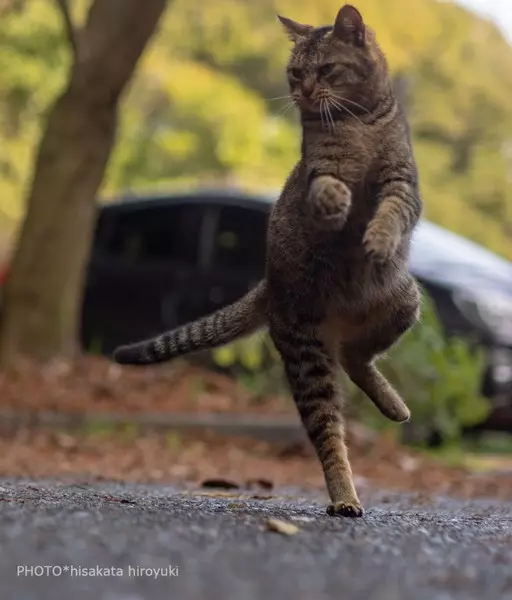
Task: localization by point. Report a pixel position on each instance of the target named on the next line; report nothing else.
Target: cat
(337, 291)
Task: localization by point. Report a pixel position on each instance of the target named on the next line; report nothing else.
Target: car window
(240, 239)
(156, 234)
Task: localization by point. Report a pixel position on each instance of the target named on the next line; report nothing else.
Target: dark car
(158, 262)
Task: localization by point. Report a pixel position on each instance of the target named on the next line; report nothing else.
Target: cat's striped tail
(233, 321)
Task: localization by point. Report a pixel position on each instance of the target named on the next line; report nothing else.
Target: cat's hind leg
(358, 359)
(311, 373)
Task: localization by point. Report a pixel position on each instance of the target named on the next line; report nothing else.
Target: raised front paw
(329, 200)
(345, 509)
(379, 243)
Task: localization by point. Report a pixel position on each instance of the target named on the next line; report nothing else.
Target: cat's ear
(294, 30)
(349, 25)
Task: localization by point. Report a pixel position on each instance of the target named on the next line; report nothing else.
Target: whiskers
(278, 98)
(326, 113)
(284, 109)
(331, 101)
(327, 104)
(339, 103)
(342, 99)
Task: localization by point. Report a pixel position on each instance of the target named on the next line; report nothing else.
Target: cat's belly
(348, 281)
(307, 267)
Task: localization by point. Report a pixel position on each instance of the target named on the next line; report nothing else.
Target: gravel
(132, 542)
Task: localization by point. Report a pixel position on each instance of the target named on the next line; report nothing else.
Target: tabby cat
(337, 290)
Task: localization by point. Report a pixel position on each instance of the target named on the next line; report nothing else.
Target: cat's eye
(326, 69)
(296, 73)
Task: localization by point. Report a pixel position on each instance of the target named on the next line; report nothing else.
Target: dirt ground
(96, 385)
(190, 459)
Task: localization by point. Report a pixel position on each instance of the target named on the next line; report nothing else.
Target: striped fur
(338, 292)
(241, 318)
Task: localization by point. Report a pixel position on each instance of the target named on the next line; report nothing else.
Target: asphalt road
(94, 542)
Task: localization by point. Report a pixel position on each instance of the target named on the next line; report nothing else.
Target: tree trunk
(41, 303)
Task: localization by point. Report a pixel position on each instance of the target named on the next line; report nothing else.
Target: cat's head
(339, 66)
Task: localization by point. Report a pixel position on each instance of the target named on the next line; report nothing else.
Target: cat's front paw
(379, 243)
(329, 200)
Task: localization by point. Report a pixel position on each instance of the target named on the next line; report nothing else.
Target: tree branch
(63, 7)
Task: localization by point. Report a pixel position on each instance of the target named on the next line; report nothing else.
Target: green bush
(255, 362)
(439, 377)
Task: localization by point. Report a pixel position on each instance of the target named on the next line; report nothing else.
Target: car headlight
(490, 310)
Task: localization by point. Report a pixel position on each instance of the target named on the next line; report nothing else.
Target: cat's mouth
(310, 104)
(318, 105)
(329, 106)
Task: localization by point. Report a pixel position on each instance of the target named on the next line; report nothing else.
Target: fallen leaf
(408, 463)
(222, 484)
(265, 484)
(282, 527)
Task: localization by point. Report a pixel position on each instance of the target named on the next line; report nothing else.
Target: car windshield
(432, 243)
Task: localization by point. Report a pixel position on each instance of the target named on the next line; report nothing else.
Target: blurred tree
(33, 63)
(202, 105)
(208, 103)
(42, 299)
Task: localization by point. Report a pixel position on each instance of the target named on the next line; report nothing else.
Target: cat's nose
(307, 87)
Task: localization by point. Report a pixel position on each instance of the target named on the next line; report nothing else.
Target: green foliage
(255, 362)
(32, 69)
(200, 105)
(440, 378)
(490, 443)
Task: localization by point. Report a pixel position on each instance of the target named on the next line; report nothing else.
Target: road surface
(125, 542)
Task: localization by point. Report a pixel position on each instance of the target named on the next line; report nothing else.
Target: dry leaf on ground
(282, 527)
(220, 484)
